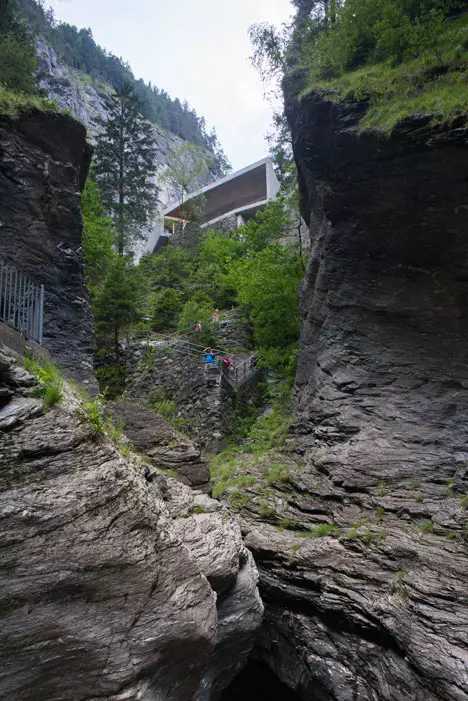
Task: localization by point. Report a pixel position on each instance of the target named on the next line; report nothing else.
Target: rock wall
(44, 164)
(375, 609)
(111, 587)
(182, 379)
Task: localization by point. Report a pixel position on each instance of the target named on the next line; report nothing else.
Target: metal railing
(236, 375)
(21, 302)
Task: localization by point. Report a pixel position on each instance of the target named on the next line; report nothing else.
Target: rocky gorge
(343, 576)
(130, 584)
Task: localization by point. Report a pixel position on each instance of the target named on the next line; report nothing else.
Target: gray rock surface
(105, 581)
(45, 160)
(182, 378)
(161, 443)
(377, 609)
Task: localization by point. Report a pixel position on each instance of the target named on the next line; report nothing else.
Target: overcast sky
(197, 50)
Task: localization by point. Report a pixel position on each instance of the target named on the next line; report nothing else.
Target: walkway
(243, 368)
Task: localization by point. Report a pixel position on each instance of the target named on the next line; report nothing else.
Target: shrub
(427, 527)
(50, 381)
(92, 413)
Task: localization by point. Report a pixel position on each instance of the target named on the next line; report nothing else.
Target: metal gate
(21, 302)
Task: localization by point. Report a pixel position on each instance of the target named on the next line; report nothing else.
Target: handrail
(235, 375)
(21, 302)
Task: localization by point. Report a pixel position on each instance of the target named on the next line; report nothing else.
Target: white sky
(197, 50)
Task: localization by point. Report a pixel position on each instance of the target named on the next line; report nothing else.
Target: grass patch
(321, 530)
(198, 509)
(50, 382)
(13, 104)
(384, 488)
(278, 474)
(426, 527)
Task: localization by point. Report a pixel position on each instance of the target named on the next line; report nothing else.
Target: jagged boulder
(109, 583)
(152, 435)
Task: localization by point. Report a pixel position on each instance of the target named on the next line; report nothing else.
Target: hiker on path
(215, 316)
(209, 357)
(226, 362)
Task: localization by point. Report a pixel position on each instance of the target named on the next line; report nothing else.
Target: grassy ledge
(13, 104)
(427, 85)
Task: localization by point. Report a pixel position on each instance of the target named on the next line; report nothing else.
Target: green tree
(98, 237)
(118, 302)
(187, 170)
(166, 306)
(17, 59)
(125, 157)
(267, 284)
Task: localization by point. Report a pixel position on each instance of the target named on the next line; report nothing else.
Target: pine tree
(125, 157)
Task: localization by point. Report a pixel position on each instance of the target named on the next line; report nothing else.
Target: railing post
(41, 316)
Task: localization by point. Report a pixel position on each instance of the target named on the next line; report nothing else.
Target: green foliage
(17, 57)
(117, 302)
(267, 283)
(14, 103)
(278, 474)
(166, 307)
(93, 414)
(384, 488)
(399, 57)
(111, 379)
(50, 381)
(427, 527)
(166, 408)
(370, 31)
(97, 237)
(199, 308)
(199, 509)
(17, 64)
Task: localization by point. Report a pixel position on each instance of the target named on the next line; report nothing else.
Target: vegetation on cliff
(397, 57)
(18, 89)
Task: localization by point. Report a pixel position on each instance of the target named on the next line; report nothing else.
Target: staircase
(241, 370)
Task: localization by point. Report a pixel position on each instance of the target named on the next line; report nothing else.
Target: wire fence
(21, 303)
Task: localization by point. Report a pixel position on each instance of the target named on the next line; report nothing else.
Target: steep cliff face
(111, 587)
(44, 160)
(375, 609)
(88, 101)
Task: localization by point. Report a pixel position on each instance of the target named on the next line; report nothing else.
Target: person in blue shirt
(209, 356)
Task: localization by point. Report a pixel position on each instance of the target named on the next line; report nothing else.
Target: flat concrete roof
(249, 188)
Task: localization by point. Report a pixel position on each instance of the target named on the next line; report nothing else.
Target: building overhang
(243, 192)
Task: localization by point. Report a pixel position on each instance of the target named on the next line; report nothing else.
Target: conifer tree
(125, 157)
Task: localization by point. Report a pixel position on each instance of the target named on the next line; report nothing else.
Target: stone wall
(182, 378)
